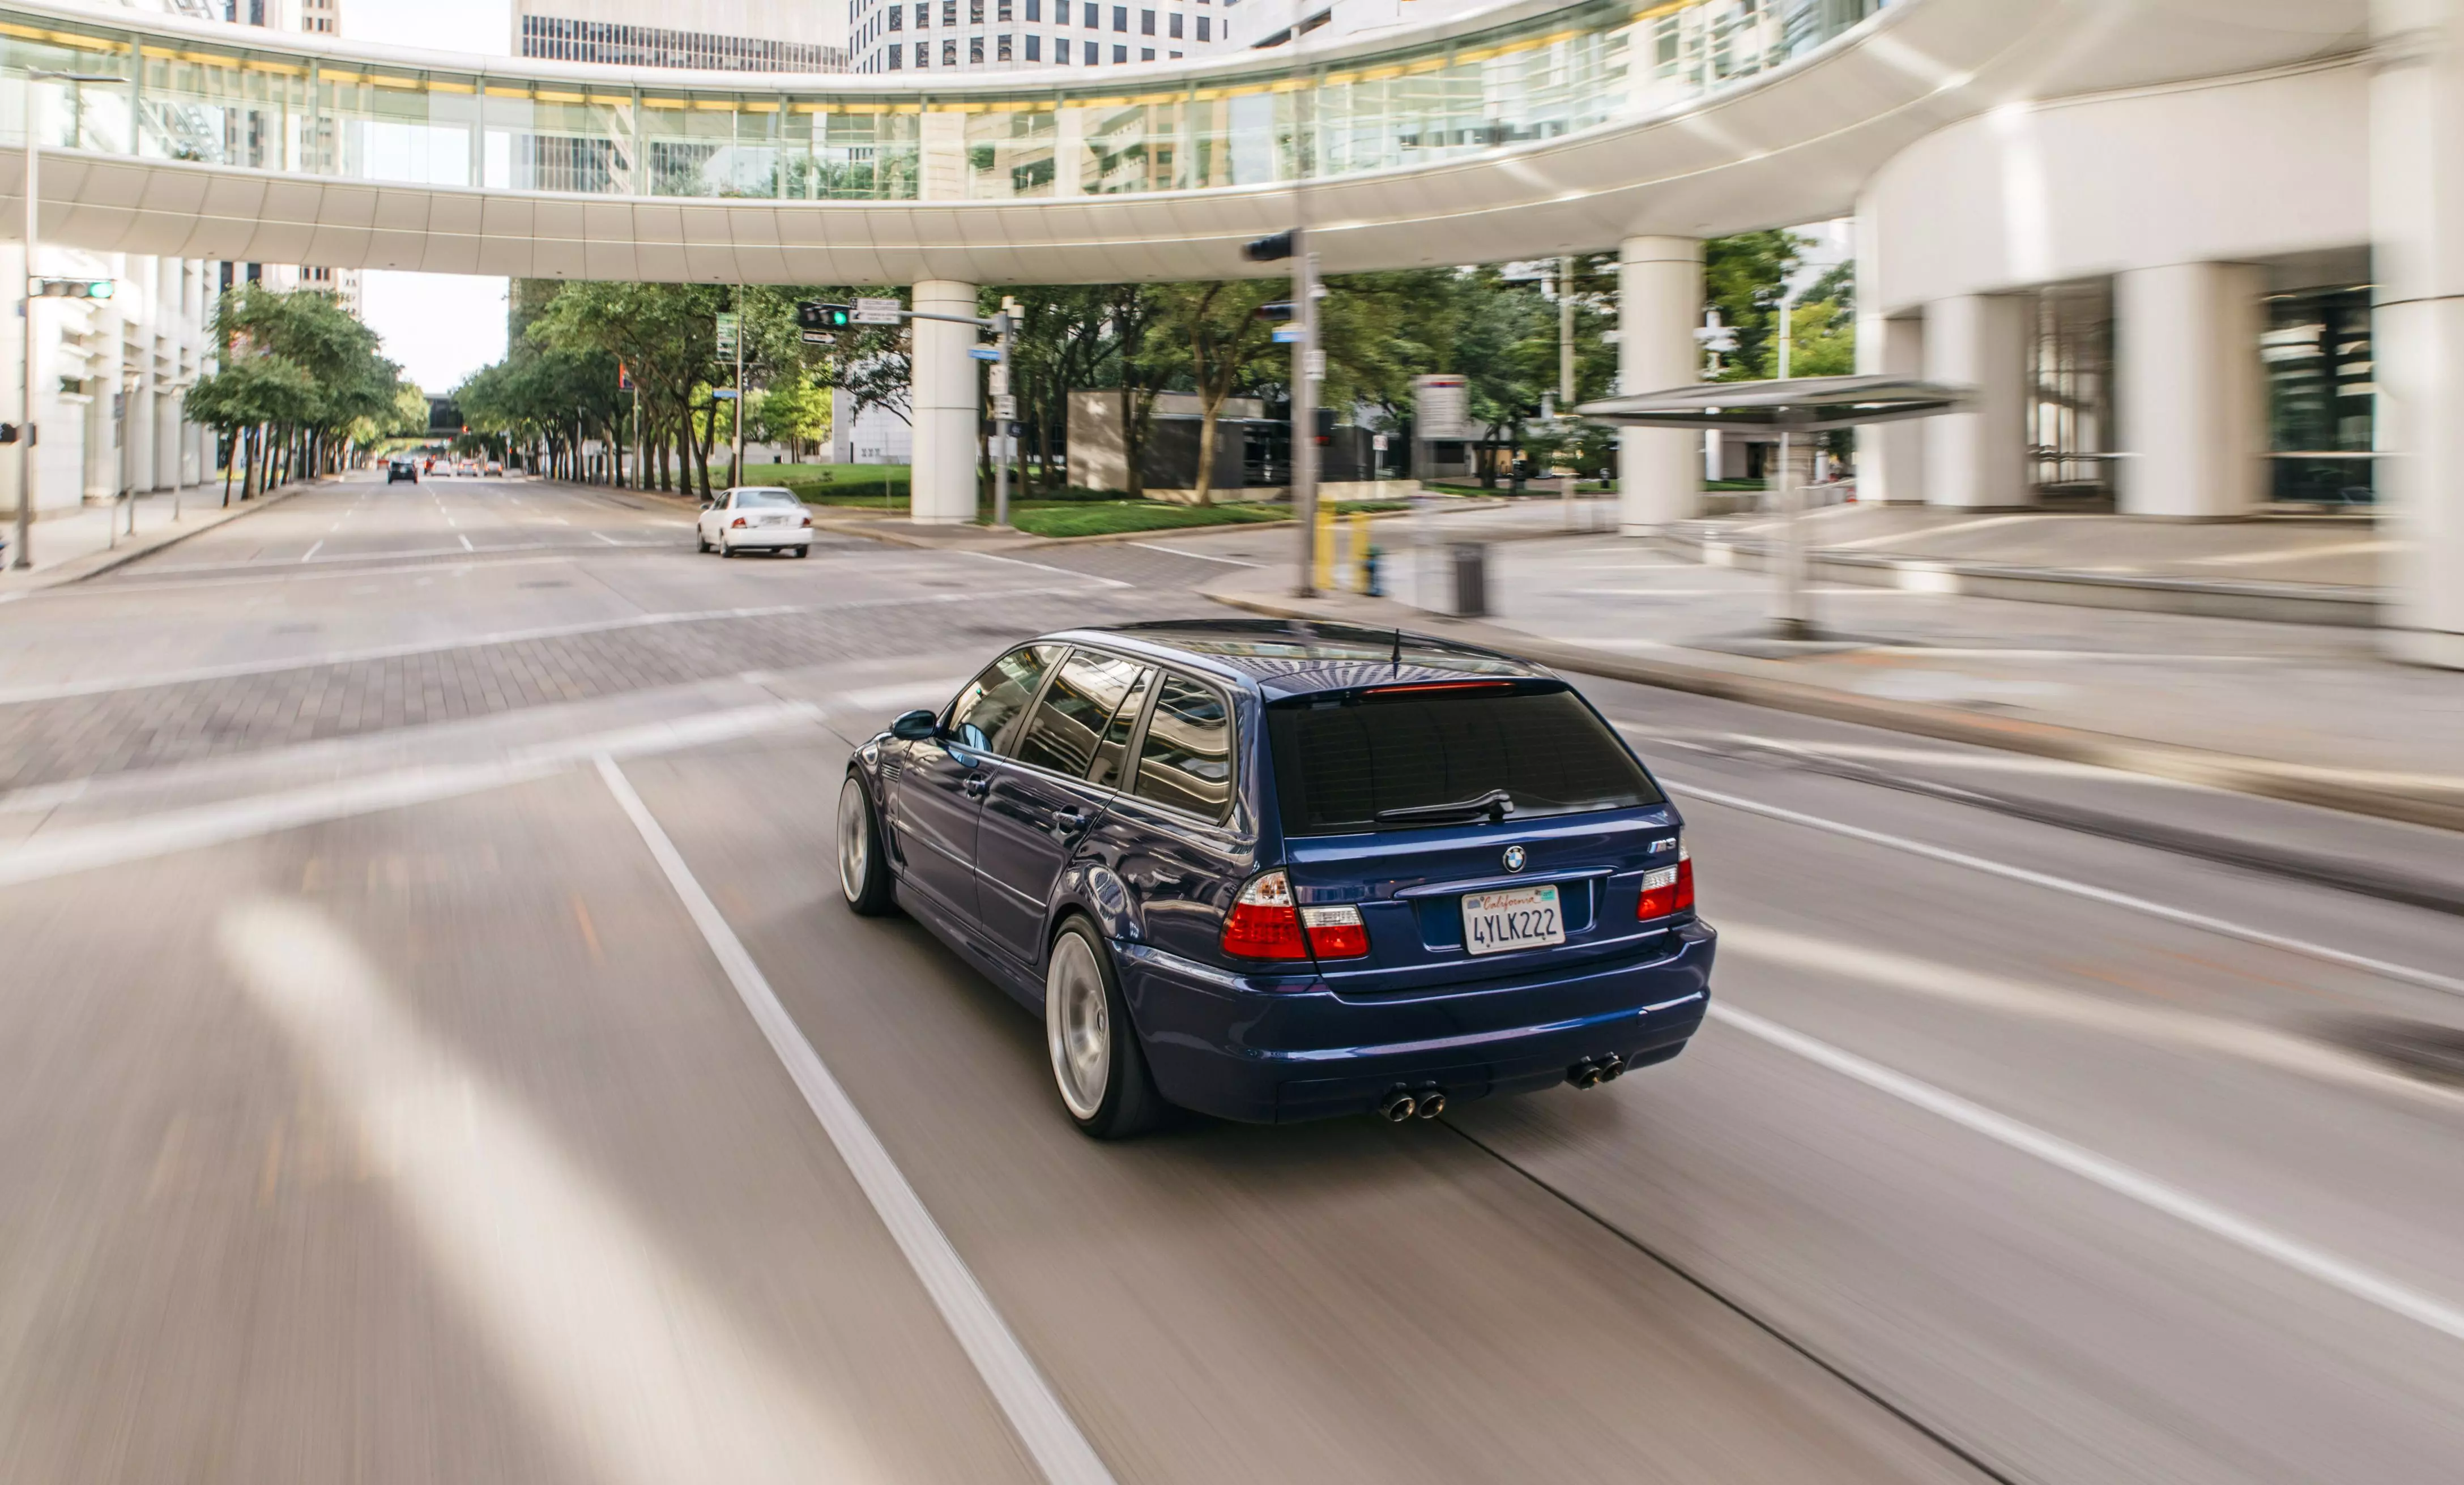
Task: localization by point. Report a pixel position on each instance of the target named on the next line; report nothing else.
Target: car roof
(1281, 658)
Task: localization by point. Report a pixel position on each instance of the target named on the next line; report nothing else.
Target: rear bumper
(1268, 1052)
(767, 536)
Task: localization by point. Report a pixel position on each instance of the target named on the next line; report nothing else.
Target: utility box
(1468, 565)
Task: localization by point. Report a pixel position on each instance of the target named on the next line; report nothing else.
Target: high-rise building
(976, 35)
(722, 35)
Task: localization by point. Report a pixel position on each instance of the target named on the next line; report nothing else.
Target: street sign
(726, 335)
(723, 394)
(820, 338)
(1441, 408)
(1314, 366)
(984, 352)
(1005, 408)
(998, 380)
(878, 312)
(1287, 335)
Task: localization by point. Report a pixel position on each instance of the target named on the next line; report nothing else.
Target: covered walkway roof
(1525, 130)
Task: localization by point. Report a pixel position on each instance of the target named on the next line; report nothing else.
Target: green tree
(1217, 326)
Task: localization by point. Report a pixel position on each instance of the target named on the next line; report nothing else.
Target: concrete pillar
(1660, 301)
(1890, 456)
(2418, 328)
(948, 418)
(2193, 400)
(1979, 458)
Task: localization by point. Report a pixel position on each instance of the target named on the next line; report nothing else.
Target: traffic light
(1268, 249)
(814, 315)
(1280, 309)
(76, 288)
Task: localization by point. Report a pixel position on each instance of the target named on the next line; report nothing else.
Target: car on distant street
(399, 469)
(756, 519)
(493, 467)
(1274, 871)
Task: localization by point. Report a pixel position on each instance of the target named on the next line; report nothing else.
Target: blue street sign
(724, 393)
(984, 352)
(1287, 335)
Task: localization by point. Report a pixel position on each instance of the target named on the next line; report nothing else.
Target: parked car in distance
(755, 518)
(399, 469)
(493, 467)
(1275, 871)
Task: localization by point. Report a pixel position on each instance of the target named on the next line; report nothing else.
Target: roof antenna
(1398, 651)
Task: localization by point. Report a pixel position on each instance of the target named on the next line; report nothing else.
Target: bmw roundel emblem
(1514, 858)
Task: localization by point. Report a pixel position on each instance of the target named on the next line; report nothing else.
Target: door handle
(976, 785)
(1069, 821)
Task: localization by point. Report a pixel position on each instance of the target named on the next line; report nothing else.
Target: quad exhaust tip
(1433, 1104)
(1399, 1105)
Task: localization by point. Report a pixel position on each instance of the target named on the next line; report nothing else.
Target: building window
(949, 51)
(1035, 9)
(1120, 54)
(1001, 10)
(923, 13)
(893, 56)
(1121, 17)
(1146, 23)
(1034, 48)
(975, 51)
(1060, 11)
(2322, 400)
(949, 13)
(1176, 25)
(897, 18)
(1146, 53)
(975, 13)
(1060, 49)
(1001, 48)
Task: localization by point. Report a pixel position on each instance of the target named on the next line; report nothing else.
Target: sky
(442, 327)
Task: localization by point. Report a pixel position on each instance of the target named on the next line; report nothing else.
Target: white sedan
(756, 517)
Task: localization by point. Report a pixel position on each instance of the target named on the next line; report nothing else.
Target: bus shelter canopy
(1804, 405)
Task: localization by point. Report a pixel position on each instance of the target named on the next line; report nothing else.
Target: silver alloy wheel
(856, 843)
(1078, 1025)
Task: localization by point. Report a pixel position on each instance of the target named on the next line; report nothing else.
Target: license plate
(1525, 917)
(774, 520)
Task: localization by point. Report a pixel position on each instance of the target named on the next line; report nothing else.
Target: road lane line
(611, 540)
(314, 550)
(1015, 561)
(60, 689)
(59, 853)
(2123, 1180)
(1051, 1436)
(1203, 557)
(467, 546)
(2428, 979)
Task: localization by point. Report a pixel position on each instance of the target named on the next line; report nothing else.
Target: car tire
(1098, 1067)
(724, 550)
(864, 868)
(701, 541)
(803, 552)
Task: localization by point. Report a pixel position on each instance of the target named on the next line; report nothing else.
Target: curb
(2324, 604)
(1031, 543)
(2291, 782)
(147, 546)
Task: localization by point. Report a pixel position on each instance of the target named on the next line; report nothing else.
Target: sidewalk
(2305, 712)
(80, 543)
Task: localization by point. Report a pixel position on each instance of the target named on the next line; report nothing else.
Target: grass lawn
(1102, 518)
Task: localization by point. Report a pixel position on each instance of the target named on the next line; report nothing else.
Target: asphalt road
(432, 1049)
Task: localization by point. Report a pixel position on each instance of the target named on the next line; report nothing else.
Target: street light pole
(1003, 323)
(25, 558)
(1795, 600)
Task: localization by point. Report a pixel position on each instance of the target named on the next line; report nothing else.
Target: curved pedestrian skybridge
(243, 98)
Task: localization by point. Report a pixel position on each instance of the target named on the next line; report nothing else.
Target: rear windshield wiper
(1496, 804)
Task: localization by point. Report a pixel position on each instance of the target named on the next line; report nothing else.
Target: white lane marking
(314, 550)
(1015, 561)
(1811, 954)
(1043, 1424)
(640, 1374)
(60, 689)
(2216, 1221)
(611, 540)
(467, 546)
(2426, 978)
(59, 853)
(1203, 557)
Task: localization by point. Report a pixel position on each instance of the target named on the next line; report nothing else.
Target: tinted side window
(994, 699)
(1070, 722)
(1113, 754)
(1186, 760)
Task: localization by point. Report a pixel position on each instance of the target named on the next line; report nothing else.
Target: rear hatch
(1486, 832)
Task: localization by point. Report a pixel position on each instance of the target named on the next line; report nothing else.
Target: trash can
(1469, 561)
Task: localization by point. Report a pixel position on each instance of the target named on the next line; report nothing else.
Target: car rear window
(1338, 767)
(745, 499)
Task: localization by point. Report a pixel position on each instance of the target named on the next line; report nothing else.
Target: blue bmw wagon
(1272, 871)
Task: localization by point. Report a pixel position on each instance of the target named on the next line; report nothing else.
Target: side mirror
(918, 726)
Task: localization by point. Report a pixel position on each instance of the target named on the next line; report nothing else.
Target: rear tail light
(1335, 933)
(805, 520)
(1263, 923)
(1266, 924)
(734, 524)
(1668, 889)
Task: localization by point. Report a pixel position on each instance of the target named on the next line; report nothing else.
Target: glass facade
(2320, 398)
(2069, 403)
(1249, 119)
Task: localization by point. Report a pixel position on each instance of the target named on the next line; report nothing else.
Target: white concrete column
(1979, 458)
(1660, 301)
(948, 418)
(2193, 400)
(2417, 330)
(1890, 456)
(107, 406)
